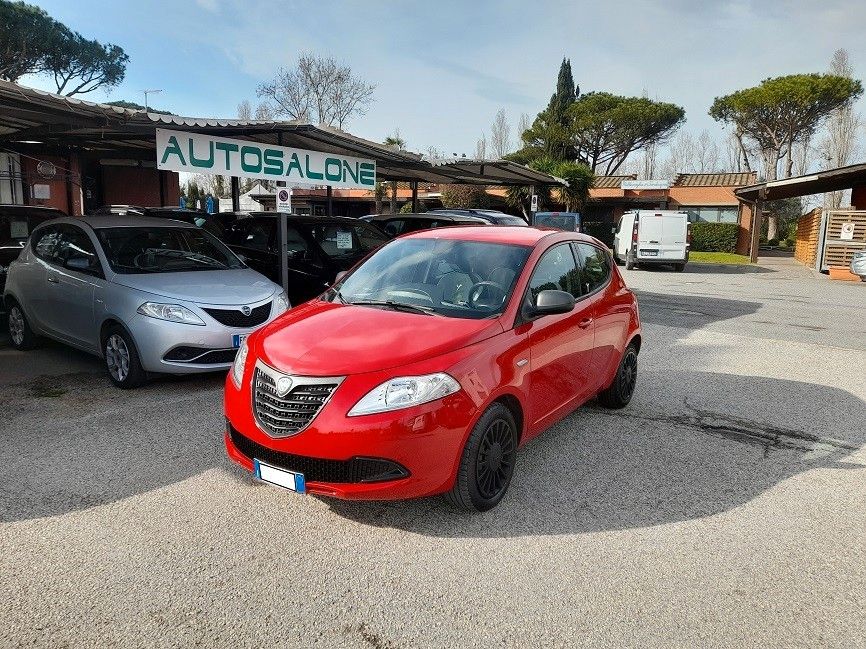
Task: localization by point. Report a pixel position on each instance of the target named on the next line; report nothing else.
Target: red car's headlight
(405, 391)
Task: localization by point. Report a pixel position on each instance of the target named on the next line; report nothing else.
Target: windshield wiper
(397, 306)
(338, 295)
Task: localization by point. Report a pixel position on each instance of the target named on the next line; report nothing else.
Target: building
(706, 197)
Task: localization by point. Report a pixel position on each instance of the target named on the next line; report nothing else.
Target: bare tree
(395, 141)
(681, 155)
(650, 160)
(523, 125)
(500, 135)
(839, 143)
(433, 153)
(481, 148)
(733, 160)
(706, 154)
(264, 112)
(245, 111)
(318, 89)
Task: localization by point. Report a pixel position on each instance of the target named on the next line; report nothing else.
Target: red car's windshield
(460, 279)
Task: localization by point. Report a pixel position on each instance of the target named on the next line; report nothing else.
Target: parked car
(491, 216)
(569, 221)
(649, 237)
(16, 224)
(215, 223)
(425, 367)
(396, 224)
(318, 247)
(858, 264)
(147, 295)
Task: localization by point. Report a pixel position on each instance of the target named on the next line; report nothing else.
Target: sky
(443, 69)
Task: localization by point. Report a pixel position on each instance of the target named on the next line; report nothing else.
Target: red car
(422, 370)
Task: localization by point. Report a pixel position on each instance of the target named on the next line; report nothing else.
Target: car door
(610, 314)
(76, 283)
(33, 276)
(560, 345)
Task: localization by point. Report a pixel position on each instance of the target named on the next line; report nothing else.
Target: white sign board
(284, 200)
(534, 207)
(344, 240)
(847, 233)
(645, 184)
(202, 153)
(42, 192)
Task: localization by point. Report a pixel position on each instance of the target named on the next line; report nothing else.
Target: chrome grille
(281, 416)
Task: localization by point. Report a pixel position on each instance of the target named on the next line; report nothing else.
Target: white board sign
(645, 184)
(284, 200)
(202, 153)
(847, 233)
(344, 240)
(534, 207)
(42, 192)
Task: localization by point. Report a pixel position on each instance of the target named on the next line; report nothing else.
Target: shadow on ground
(690, 311)
(704, 268)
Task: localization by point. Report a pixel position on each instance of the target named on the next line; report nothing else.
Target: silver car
(147, 295)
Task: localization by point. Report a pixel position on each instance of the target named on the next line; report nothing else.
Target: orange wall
(138, 186)
(57, 186)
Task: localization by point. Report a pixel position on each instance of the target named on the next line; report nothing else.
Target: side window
(369, 238)
(594, 267)
(75, 244)
(45, 243)
(296, 245)
(255, 235)
(394, 227)
(556, 270)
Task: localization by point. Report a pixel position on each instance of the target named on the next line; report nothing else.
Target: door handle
(583, 324)
(53, 279)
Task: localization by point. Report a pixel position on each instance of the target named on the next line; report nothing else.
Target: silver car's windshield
(459, 279)
(164, 250)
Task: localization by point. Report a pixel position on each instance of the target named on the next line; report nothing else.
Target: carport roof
(30, 115)
(823, 181)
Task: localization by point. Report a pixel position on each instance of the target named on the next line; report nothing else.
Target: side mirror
(80, 264)
(340, 276)
(551, 302)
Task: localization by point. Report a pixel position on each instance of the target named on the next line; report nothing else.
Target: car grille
(281, 416)
(356, 469)
(200, 355)
(236, 318)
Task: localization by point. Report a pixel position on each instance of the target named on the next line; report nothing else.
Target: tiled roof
(611, 182)
(715, 180)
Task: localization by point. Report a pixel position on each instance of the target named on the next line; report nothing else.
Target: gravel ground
(725, 507)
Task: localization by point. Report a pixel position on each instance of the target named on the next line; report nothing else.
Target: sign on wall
(645, 184)
(201, 153)
(284, 200)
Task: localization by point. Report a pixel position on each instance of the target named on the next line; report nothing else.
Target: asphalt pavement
(726, 506)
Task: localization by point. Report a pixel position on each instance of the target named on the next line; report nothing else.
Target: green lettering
(251, 168)
(329, 163)
(367, 174)
(314, 175)
(348, 170)
(173, 147)
(274, 162)
(228, 148)
(200, 162)
(295, 164)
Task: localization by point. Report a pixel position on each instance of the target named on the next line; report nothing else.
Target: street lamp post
(149, 92)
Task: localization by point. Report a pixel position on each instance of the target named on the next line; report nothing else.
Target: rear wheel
(679, 267)
(629, 260)
(619, 393)
(20, 332)
(121, 359)
(487, 462)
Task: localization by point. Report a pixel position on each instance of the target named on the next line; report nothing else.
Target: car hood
(327, 339)
(236, 286)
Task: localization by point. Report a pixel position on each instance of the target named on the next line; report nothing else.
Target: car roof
(437, 216)
(528, 236)
(306, 218)
(6, 208)
(115, 221)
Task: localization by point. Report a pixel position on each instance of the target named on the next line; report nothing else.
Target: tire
(121, 359)
(629, 260)
(619, 393)
(679, 267)
(494, 437)
(20, 332)
(616, 259)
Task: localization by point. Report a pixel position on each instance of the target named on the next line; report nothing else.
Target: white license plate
(238, 340)
(650, 253)
(280, 477)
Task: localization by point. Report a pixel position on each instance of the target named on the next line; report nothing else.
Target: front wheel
(20, 332)
(121, 359)
(487, 462)
(619, 393)
(629, 260)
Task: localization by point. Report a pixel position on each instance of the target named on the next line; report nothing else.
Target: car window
(74, 243)
(339, 240)
(45, 243)
(252, 234)
(556, 270)
(395, 227)
(594, 267)
(296, 246)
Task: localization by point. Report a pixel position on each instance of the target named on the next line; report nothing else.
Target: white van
(653, 237)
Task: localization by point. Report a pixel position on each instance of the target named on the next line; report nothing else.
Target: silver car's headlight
(281, 304)
(171, 312)
(239, 363)
(405, 391)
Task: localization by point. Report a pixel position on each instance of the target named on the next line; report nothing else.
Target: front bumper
(406, 453)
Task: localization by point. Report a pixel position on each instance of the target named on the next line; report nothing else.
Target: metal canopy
(817, 183)
(33, 116)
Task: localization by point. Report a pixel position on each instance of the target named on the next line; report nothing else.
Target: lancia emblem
(245, 310)
(284, 384)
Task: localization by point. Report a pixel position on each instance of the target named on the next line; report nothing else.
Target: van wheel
(20, 332)
(121, 359)
(629, 260)
(679, 267)
(616, 259)
(487, 462)
(619, 393)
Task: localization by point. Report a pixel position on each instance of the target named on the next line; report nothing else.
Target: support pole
(282, 236)
(756, 231)
(415, 196)
(330, 201)
(236, 194)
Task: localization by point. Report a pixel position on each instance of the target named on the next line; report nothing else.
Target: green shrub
(773, 242)
(714, 237)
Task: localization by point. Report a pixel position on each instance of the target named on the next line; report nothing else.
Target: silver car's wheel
(16, 325)
(117, 357)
